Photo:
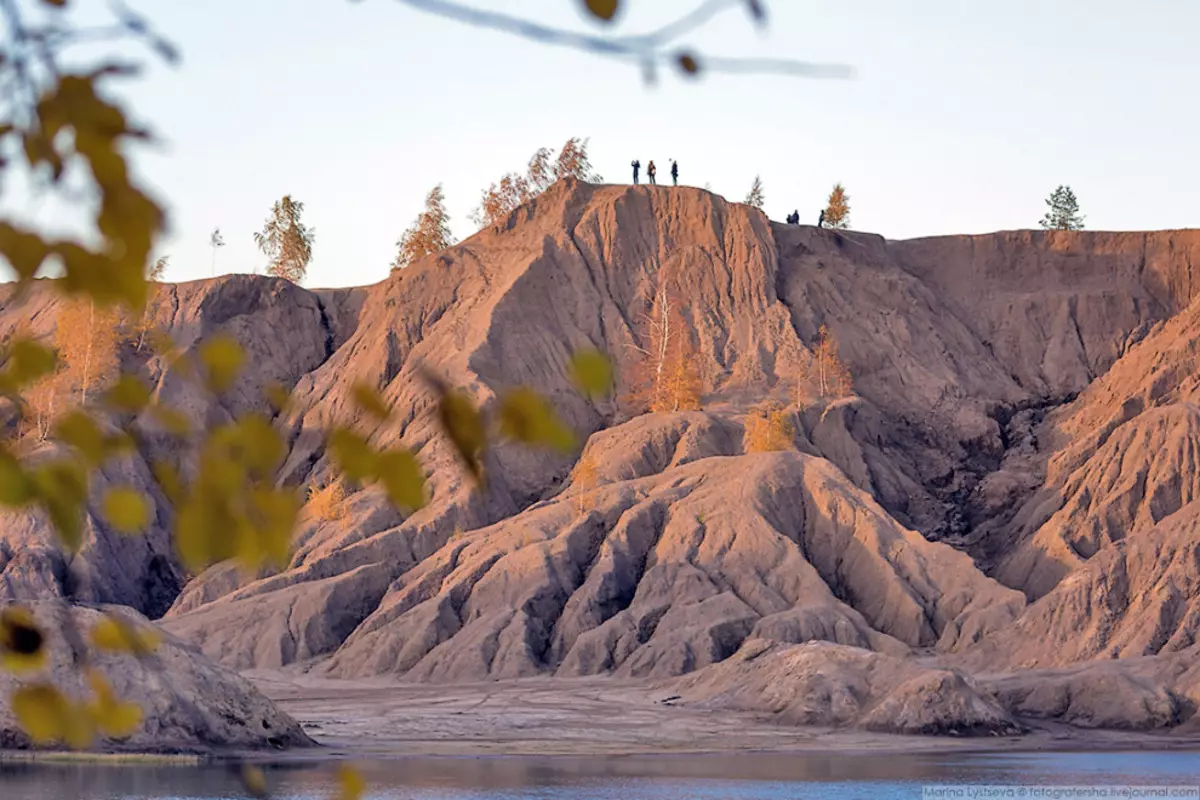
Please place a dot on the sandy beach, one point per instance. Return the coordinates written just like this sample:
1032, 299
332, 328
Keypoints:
599, 717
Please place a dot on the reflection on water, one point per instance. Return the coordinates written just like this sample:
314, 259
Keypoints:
726, 777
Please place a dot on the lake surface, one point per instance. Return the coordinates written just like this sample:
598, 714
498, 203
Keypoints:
723, 777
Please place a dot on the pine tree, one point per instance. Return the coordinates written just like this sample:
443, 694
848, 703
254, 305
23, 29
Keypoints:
837, 211
286, 241
756, 197
1064, 211
429, 234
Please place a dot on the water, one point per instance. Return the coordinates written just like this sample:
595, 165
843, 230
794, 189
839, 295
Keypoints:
727, 777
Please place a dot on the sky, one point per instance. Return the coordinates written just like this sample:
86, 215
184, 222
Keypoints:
962, 117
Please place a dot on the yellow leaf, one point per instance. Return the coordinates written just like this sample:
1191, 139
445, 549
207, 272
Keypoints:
16, 489
353, 456
371, 402
25, 251
111, 716
81, 432
129, 395
402, 478
22, 644
351, 785
278, 397
222, 358
61, 487
28, 362
462, 423
254, 781
41, 711
688, 63
602, 9
526, 417
117, 636
275, 513
174, 422
250, 441
592, 372
126, 509
168, 481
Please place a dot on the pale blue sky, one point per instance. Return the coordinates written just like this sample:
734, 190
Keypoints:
964, 115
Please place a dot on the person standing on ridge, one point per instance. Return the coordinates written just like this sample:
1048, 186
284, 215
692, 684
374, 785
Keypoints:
651, 171
674, 172
821, 219
637, 165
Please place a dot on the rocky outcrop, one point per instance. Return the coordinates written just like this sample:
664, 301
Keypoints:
188, 703
830, 685
659, 575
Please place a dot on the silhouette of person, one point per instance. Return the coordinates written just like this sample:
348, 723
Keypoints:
637, 165
651, 172
821, 219
674, 172
794, 218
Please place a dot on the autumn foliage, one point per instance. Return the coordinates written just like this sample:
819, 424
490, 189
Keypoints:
825, 375
585, 477
544, 169
286, 240
327, 503
664, 375
429, 234
769, 427
837, 211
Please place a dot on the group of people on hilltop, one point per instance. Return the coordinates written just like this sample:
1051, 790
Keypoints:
794, 218
652, 172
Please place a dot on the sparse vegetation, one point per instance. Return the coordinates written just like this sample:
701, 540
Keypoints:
664, 375
825, 375
1062, 211
837, 210
286, 240
769, 428
756, 196
502, 198
585, 477
327, 503
429, 234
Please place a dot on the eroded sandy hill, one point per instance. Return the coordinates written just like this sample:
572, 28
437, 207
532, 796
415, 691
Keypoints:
918, 516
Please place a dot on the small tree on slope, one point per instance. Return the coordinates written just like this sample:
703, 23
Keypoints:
286, 240
1063, 213
429, 234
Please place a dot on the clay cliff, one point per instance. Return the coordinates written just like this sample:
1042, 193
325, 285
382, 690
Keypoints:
1011, 473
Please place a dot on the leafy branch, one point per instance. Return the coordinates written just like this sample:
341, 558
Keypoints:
650, 50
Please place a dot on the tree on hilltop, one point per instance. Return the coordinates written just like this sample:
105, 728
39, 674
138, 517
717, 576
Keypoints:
513, 190
286, 240
837, 210
1063, 213
756, 196
429, 234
